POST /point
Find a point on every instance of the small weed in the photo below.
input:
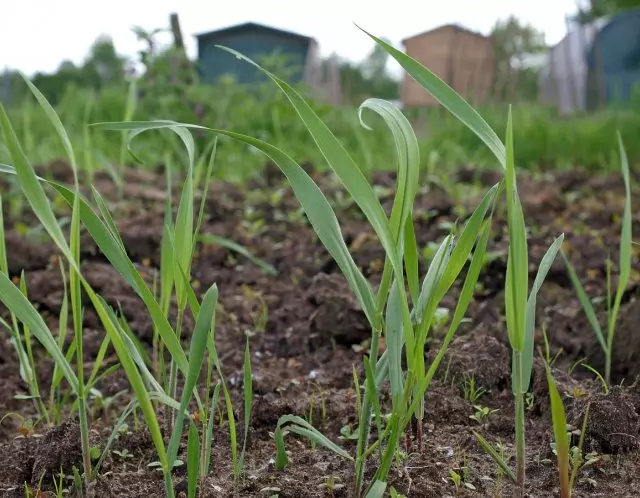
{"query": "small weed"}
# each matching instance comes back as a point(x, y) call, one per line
point(459, 476)
point(472, 392)
point(482, 414)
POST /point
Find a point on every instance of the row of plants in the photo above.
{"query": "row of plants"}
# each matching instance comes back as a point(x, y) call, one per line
point(402, 310)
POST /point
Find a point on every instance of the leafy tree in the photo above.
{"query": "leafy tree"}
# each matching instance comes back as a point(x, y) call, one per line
point(369, 78)
point(515, 45)
point(599, 8)
point(102, 67)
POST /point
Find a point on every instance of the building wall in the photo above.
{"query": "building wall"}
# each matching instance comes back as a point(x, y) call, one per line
point(462, 59)
point(214, 62)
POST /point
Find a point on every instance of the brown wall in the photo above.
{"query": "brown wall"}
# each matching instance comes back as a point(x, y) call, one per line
point(464, 60)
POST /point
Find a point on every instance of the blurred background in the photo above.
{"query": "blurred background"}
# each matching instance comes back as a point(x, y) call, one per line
point(570, 68)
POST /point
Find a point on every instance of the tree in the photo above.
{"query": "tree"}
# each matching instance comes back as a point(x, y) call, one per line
point(374, 66)
point(104, 61)
point(599, 8)
point(369, 78)
point(515, 46)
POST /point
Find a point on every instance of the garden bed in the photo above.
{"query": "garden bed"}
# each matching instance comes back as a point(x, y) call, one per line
point(307, 333)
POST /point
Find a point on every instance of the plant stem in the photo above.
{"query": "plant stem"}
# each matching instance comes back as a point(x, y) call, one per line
point(84, 440)
point(173, 376)
point(364, 424)
point(520, 426)
point(168, 485)
point(607, 363)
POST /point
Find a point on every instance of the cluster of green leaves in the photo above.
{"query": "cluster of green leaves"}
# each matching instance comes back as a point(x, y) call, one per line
point(402, 310)
point(178, 246)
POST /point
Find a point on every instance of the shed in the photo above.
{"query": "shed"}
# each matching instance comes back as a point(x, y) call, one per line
point(462, 58)
point(594, 64)
point(300, 53)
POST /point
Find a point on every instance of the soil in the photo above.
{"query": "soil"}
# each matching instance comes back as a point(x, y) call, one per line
point(307, 333)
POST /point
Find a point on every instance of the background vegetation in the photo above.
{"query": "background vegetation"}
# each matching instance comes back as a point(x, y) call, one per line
point(162, 82)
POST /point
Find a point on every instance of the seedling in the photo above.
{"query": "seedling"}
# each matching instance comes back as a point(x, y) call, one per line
point(459, 476)
point(331, 485)
point(482, 414)
point(624, 272)
point(520, 309)
point(123, 454)
point(103, 231)
point(473, 393)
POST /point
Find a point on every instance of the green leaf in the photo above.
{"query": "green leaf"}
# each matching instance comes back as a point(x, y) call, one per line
point(297, 425)
point(209, 433)
point(248, 397)
point(527, 352)
point(460, 254)
point(370, 386)
point(208, 238)
point(193, 457)
point(106, 216)
point(517, 281)
point(183, 236)
point(444, 94)
point(559, 434)
point(113, 329)
point(321, 217)
point(494, 454)
point(184, 233)
point(431, 281)
point(411, 261)
point(30, 185)
point(408, 154)
point(57, 124)
point(586, 303)
point(377, 490)
point(395, 342)
point(197, 349)
point(625, 243)
point(17, 302)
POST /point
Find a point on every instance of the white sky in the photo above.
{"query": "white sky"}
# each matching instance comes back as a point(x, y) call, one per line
point(36, 35)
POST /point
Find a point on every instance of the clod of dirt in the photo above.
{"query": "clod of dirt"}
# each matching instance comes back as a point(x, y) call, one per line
point(613, 421)
point(141, 237)
point(16, 462)
point(479, 355)
point(565, 384)
point(58, 448)
point(486, 177)
point(338, 314)
point(130, 485)
point(535, 195)
point(25, 254)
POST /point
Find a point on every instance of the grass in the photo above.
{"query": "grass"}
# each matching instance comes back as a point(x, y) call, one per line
point(624, 269)
point(403, 309)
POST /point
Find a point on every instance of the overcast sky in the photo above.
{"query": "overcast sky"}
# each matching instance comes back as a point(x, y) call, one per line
point(36, 35)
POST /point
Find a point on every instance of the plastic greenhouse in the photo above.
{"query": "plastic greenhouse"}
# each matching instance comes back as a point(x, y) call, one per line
point(594, 64)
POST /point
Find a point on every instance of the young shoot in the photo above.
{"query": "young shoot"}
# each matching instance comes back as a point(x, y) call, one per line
point(624, 273)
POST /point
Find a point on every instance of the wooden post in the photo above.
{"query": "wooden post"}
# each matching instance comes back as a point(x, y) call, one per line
point(178, 41)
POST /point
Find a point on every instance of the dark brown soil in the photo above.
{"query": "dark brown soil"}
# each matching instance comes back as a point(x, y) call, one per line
point(308, 333)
